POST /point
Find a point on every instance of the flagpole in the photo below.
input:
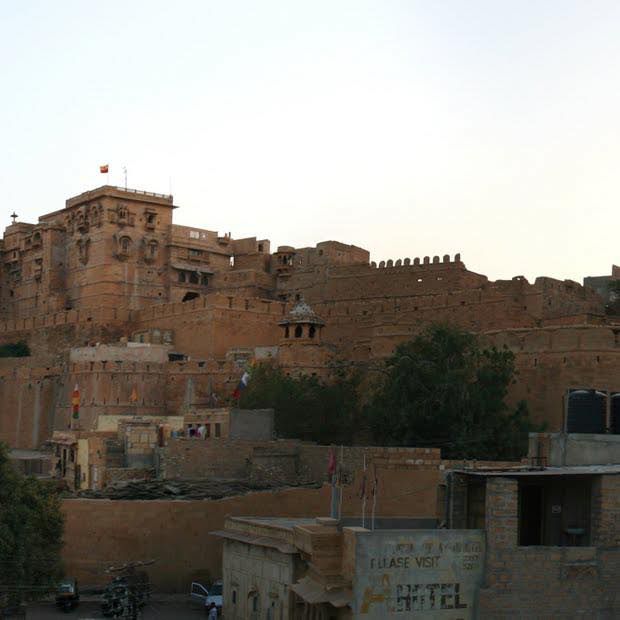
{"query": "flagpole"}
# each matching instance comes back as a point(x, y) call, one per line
point(340, 482)
point(374, 496)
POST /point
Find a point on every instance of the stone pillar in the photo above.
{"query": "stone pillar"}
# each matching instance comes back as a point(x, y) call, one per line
point(501, 523)
point(502, 512)
point(606, 511)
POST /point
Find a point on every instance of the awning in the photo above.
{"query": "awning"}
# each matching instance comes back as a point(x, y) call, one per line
point(191, 267)
point(565, 470)
point(313, 592)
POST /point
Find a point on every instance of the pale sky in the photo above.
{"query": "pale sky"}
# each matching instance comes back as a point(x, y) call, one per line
point(410, 128)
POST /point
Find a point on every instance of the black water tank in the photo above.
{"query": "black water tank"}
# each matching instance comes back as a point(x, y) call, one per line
point(586, 411)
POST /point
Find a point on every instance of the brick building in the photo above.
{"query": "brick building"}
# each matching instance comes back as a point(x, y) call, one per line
point(552, 540)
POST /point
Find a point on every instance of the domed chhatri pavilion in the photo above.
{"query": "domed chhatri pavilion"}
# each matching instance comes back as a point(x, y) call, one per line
point(302, 322)
point(301, 345)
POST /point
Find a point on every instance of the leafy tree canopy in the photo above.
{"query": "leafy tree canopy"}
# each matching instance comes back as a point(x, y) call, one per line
point(305, 407)
point(31, 527)
point(443, 389)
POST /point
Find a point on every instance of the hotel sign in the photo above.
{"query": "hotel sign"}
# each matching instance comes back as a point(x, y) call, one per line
point(420, 573)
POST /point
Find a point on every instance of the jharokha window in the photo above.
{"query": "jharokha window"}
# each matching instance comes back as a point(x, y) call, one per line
point(124, 245)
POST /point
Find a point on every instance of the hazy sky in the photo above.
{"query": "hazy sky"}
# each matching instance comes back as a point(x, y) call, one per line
point(489, 128)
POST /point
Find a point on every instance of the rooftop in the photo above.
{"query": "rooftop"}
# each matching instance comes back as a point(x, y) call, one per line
point(117, 192)
point(278, 522)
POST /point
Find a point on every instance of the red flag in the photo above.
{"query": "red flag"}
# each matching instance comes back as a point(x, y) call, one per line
point(103, 169)
point(331, 463)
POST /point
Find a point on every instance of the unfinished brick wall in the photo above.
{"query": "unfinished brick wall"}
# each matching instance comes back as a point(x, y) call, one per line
point(114, 475)
point(542, 582)
point(213, 458)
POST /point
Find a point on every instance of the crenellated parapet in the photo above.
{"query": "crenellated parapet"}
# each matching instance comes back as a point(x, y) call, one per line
point(426, 261)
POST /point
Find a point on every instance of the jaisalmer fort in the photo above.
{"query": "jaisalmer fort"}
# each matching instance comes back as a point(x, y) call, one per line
point(111, 267)
point(146, 328)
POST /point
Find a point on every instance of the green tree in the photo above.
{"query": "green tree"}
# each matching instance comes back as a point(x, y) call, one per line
point(305, 407)
point(443, 389)
point(31, 527)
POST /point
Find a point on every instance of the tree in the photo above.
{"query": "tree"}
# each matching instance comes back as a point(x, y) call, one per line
point(443, 389)
point(305, 407)
point(31, 527)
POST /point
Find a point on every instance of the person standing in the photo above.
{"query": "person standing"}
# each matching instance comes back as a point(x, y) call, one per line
point(212, 612)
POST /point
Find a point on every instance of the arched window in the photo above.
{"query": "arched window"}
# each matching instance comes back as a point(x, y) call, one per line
point(152, 249)
point(181, 276)
point(298, 331)
point(125, 244)
point(286, 332)
point(312, 331)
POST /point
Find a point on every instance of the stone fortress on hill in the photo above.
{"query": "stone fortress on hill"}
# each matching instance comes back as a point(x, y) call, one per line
point(149, 317)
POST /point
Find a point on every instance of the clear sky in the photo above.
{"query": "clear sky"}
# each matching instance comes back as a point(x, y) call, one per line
point(410, 128)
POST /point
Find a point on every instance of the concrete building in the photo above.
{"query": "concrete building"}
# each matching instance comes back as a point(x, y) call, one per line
point(552, 539)
point(232, 423)
point(323, 569)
